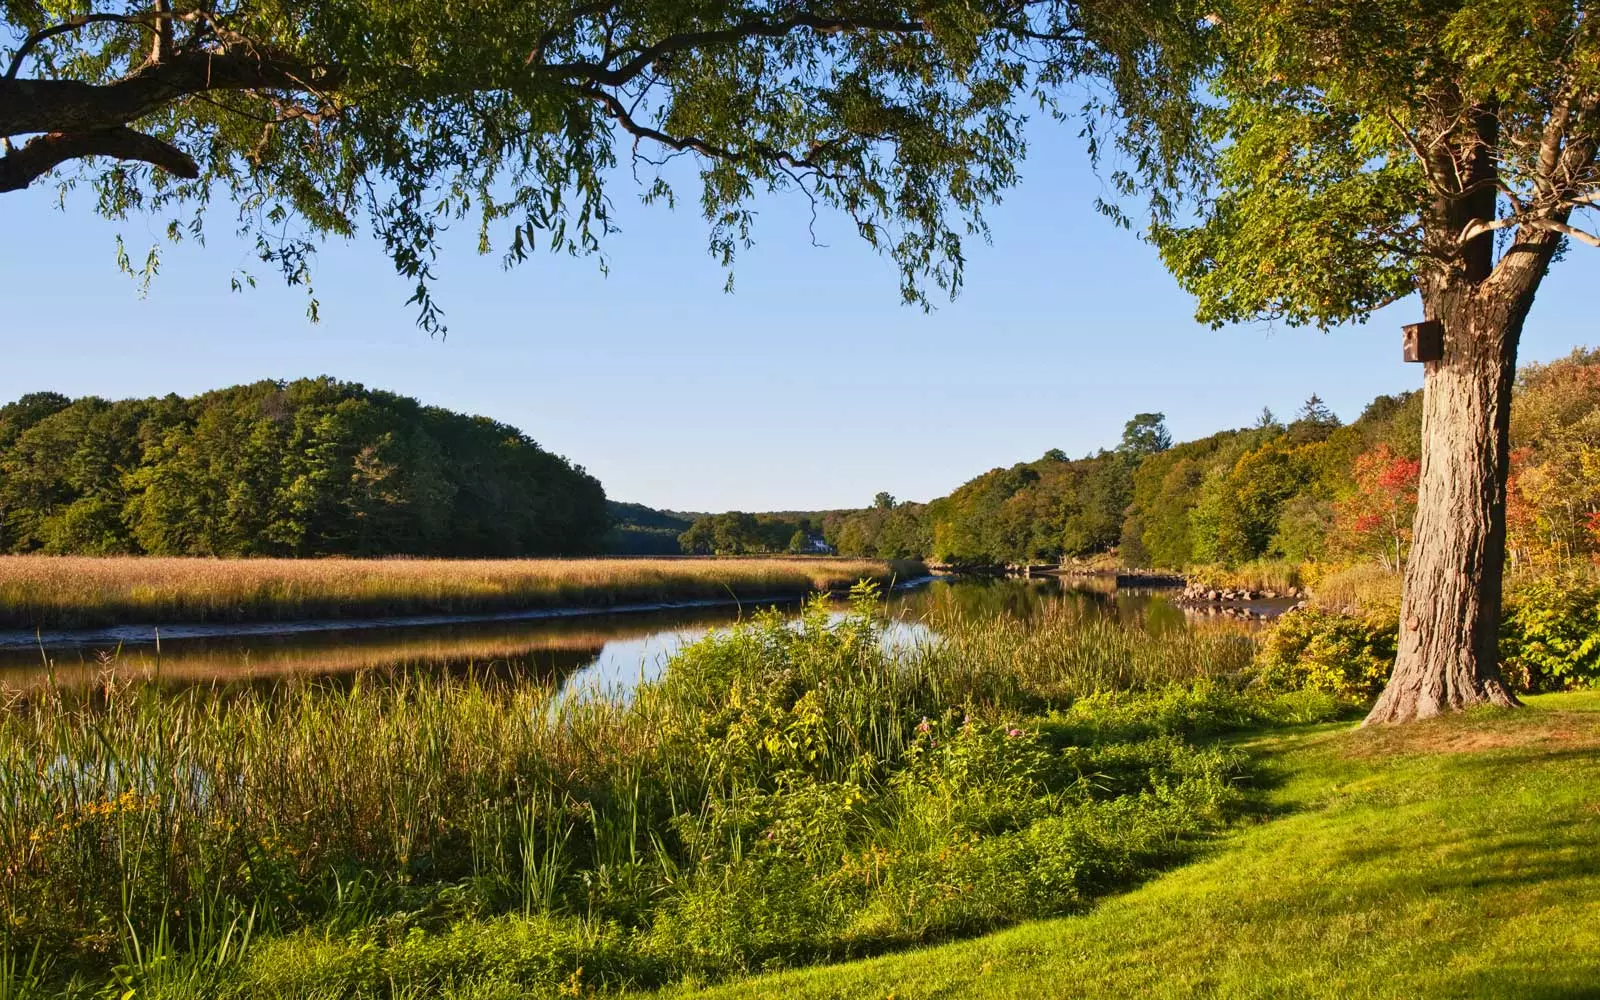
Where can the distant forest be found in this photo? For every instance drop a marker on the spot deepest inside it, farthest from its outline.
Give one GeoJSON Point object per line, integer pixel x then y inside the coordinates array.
{"type": "Point", "coordinates": [1306, 488]}
{"type": "Point", "coordinates": [304, 468]}
{"type": "Point", "coordinates": [322, 467]}
{"type": "Point", "coordinates": [637, 530]}
{"type": "Point", "coordinates": [1273, 489]}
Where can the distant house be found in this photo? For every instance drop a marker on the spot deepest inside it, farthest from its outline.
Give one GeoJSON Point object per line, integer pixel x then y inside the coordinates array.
{"type": "Point", "coordinates": [815, 545]}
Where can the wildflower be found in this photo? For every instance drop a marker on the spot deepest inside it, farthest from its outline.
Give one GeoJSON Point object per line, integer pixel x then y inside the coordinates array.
{"type": "Point", "coordinates": [924, 726]}
{"type": "Point", "coordinates": [1013, 732]}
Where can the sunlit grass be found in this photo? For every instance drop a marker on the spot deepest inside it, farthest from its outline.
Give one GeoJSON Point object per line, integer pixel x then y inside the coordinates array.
{"type": "Point", "coordinates": [785, 793]}
{"type": "Point", "coordinates": [1454, 859]}
{"type": "Point", "coordinates": [1364, 588]}
{"type": "Point", "coordinates": [1277, 575]}
{"type": "Point", "coordinates": [66, 591]}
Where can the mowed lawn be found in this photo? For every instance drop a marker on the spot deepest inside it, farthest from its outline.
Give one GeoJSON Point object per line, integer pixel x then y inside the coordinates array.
{"type": "Point", "coordinates": [1451, 858]}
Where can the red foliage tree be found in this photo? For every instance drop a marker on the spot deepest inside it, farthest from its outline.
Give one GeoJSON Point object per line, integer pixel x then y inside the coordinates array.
{"type": "Point", "coordinates": [1375, 519]}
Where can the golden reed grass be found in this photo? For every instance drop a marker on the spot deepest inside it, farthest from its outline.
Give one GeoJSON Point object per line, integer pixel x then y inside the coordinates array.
{"type": "Point", "coordinates": [512, 650]}
{"type": "Point", "coordinates": [77, 591]}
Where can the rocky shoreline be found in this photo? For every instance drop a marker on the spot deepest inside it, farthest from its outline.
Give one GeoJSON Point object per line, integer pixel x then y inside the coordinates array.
{"type": "Point", "coordinates": [1237, 602]}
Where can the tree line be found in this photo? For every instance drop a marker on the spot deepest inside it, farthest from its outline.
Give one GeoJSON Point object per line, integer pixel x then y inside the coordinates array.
{"type": "Point", "coordinates": [1308, 489]}
{"type": "Point", "coordinates": [739, 533]}
{"type": "Point", "coordinates": [312, 467]}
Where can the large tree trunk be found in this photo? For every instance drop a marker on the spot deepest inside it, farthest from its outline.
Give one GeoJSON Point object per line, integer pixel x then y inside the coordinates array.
{"type": "Point", "coordinates": [1450, 613]}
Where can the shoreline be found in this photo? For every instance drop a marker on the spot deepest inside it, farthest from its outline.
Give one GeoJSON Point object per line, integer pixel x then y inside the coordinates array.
{"type": "Point", "coordinates": [70, 593]}
{"type": "Point", "coordinates": [149, 633]}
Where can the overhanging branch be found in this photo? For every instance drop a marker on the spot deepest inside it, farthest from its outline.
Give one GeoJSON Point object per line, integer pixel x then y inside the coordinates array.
{"type": "Point", "coordinates": [72, 106]}
{"type": "Point", "coordinates": [615, 76]}
{"type": "Point", "coordinates": [44, 153]}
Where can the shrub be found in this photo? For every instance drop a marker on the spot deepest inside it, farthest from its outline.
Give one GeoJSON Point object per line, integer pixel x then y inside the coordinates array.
{"type": "Point", "coordinates": [1551, 635]}
{"type": "Point", "coordinates": [1344, 655]}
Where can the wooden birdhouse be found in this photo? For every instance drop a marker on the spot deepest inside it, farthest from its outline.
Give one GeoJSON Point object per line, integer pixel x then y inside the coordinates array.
{"type": "Point", "coordinates": [1424, 341]}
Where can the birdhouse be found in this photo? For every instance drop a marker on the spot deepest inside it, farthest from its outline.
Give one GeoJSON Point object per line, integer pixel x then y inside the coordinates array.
{"type": "Point", "coordinates": [1424, 341]}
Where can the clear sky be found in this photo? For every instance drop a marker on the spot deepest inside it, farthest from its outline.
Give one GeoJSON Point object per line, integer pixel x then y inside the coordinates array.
{"type": "Point", "coordinates": [808, 387]}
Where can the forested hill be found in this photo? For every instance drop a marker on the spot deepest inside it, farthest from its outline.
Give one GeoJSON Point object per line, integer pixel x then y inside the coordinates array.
{"type": "Point", "coordinates": [1309, 488]}
{"type": "Point", "coordinates": [302, 468]}
{"type": "Point", "coordinates": [637, 530]}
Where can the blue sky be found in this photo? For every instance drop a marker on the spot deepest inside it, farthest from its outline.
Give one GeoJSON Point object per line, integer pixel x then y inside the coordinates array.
{"type": "Point", "coordinates": [808, 387]}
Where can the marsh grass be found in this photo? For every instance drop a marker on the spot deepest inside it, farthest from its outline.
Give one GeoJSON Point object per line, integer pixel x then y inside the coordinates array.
{"type": "Point", "coordinates": [1277, 575]}
{"type": "Point", "coordinates": [786, 793]}
{"type": "Point", "coordinates": [1360, 589]}
{"type": "Point", "coordinates": [484, 650]}
{"type": "Point", "coordinates": [84, 591]}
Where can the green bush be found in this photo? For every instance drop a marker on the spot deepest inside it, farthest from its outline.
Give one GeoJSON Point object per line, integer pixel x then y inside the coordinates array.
{"type": "Point", "coordinates": [1343, 655]}
{"type": "Point", "coordinates": [1550, 638]}
{"type": "Point", "coordinates": [788, 792]}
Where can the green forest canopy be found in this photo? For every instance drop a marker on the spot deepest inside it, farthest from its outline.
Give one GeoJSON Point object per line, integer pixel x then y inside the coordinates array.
{"type": "Point", "coordinates": [305, 468]}
{"type": "Point", "coordinates": [321, 467]}
{"type": "Point", "coordinates": [1310, 489]}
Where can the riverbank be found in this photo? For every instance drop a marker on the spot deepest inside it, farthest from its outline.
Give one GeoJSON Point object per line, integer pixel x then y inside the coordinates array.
{"type": "Point", "coordinates": [59, 592]}
{"type": "Point", "coordinates": [1454, 858]}
{"type": "Point", "coordinates": [786, 793]}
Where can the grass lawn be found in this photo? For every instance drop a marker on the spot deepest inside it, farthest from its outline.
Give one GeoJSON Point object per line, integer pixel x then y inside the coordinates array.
{"type": "Point", "coordinates": [1451, 858]}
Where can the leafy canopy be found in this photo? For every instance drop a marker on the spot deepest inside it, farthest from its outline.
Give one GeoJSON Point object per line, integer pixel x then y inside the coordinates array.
{"type": "Point", "coordinates": [1340, 155]}
{"type": "Point", "coordinates": [401, 116]}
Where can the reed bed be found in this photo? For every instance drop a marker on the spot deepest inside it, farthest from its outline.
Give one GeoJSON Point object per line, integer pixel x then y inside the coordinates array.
{"type": "Point", "coordinates": [82, 591]}
{"type": "Point", "coordinates": [786, 793]}
{"type": "Point", "coordinates": [490, 651]}
{"type": "Point", "coordinates": [1360, 589]}
{"type": "Point", "coordinates": [1277, 575]}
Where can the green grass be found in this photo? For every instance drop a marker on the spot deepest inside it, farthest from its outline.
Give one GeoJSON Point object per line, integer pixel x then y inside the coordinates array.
{"type": "Point", "coordinates": [789, 796]}
{"type": "Point", "coordinates": [1456, 858]}
{"type": "Point", "coordinates": [787, 793]}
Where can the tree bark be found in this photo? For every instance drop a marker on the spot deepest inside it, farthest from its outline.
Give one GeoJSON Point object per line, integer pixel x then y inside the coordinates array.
{"type": "Point", "coordinates": [1450, 613]}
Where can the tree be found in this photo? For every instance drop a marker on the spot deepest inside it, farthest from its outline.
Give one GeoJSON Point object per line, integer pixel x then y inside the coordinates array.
{"type": "Point", "coordinates": [1327, 159]}
{"type": "Point", "coordinates": [304, 468]}
{"type": "Point", "coordinates": [1314, 422]}
{"type": "Point", "coordinates": [404, 116]}
{"type": "Point", "coordinates": [1145, 434]}
{"type": "Point", "coordinates": [1376, 517]}
{"type": "Point", "coordinates": [883, 501]}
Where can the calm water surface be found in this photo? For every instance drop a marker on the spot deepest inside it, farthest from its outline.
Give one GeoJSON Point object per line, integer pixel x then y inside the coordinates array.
{"type": "Point", "coordinates": [604, 653]}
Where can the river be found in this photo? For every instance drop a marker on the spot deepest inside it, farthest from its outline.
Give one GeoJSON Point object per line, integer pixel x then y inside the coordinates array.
{"type": "Point", "coordinates": [597, 652]}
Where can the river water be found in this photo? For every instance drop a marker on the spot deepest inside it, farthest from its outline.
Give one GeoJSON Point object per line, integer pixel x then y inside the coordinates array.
{"type": "Point", "coordinates": [593, 652]}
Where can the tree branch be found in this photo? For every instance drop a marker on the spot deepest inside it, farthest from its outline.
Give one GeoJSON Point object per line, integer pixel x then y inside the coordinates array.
{"type": "Point", "coordinates": [44, 153]}
{"type": "Point", "coordinates": [161, 47]}
{"type": "Point", "coordinates": [607, 76]}
{"type": "Point", "coordinates": [74, 24]}
{"type": "Point", "coordinates": [1553, 226]}
{"type": "Point", "coordinates": [619, 113]}
{"type": "Point", "coordinates": [72, 106]}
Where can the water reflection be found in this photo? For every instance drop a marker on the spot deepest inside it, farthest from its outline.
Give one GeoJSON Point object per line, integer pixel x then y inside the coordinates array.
{"type": "Point", "coordinates": [596, 654]}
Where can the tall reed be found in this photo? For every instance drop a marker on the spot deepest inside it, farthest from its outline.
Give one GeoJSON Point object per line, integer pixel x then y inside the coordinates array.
{"type": "Point", "coordinates": [785, 792]}
{"type": "Point", "coordinates": [70, 591]}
